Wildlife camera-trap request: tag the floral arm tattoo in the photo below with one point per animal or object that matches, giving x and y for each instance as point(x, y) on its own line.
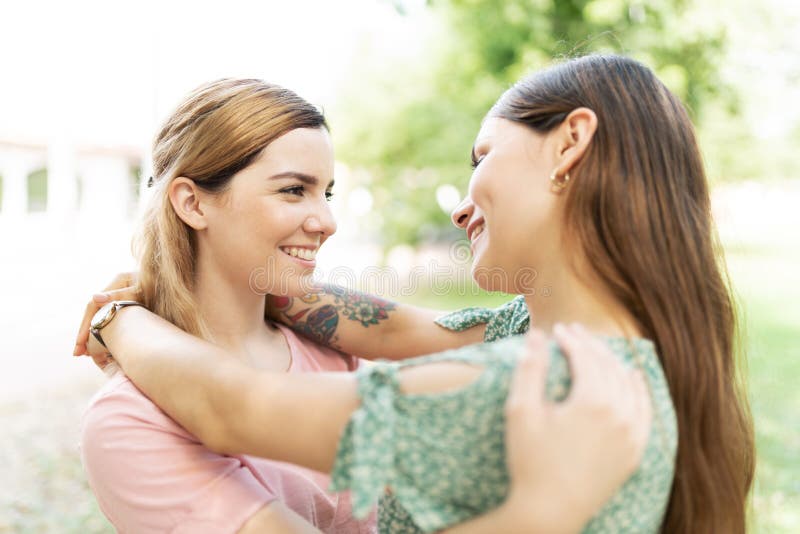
point(316, 316)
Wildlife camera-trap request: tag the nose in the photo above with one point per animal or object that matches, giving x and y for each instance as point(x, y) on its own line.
point(463, 213)
point(321, 221)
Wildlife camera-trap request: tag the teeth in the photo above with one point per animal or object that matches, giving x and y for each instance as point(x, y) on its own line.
point(303, 253)
point(477, 231)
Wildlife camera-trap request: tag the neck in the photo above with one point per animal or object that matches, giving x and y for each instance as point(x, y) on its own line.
point(233, 312)
point(561, 296)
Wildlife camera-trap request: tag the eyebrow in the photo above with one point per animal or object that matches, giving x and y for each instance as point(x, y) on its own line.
point(307, 179)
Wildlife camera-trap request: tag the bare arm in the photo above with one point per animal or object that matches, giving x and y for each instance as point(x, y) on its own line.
point(230, 408)
point(516, 516)
point(277, 518)
point(368, 326)
point(353, 322)
point(234, 410)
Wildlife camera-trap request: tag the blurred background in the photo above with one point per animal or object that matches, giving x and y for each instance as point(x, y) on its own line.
point(405, 84)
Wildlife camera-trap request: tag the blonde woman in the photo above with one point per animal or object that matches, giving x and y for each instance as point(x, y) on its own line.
point(614, 215)
point(242, 174)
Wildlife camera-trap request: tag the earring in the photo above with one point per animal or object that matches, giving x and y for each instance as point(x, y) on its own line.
point(559, 184)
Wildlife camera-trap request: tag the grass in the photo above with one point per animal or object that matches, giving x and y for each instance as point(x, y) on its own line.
point(767, 287)
point(45, 489)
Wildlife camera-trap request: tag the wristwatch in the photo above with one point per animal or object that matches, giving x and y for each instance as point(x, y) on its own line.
point(105, 314)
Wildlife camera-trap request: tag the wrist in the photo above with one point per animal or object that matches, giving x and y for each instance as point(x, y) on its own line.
point(542, 512)
point(113, 332)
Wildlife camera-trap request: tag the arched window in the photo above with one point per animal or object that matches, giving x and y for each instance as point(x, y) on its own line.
point(37, 191)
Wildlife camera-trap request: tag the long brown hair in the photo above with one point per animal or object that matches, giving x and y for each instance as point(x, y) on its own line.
point(638, 208)
point(218, 130)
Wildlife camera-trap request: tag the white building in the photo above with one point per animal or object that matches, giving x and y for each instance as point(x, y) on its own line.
point(60, 181)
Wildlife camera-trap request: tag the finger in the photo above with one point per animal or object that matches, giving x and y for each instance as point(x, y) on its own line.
point(604, 373)
point(527, 384)
point(120, 281)
point(534, 372)
point(97, 302)
point(583, 370)
point(123, 293)
point(83, 329)
point(522, 383)
point(598, 348)
point(97, 352)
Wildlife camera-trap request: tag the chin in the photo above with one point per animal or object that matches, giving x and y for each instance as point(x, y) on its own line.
point(289, 283)
point(300, 286)
point(503, 276)
point(490, 277)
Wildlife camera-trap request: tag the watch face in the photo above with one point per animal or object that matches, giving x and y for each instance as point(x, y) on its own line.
point(101, 315)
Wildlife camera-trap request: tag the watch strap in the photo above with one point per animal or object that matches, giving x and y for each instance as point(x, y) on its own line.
point(112, 312)
point(96, 333)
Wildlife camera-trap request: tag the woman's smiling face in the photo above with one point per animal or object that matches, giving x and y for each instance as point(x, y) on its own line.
point(266, 229)
point(510, 215)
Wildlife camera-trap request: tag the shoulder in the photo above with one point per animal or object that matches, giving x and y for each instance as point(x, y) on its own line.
point(117, 396)
point(151, 475)
point(119, 399)
point(120, 421)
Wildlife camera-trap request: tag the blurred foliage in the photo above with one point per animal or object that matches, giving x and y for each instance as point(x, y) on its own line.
point(416, 132)
point(406, 125)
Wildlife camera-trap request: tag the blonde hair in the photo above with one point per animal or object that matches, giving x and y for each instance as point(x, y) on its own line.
point(217, 131)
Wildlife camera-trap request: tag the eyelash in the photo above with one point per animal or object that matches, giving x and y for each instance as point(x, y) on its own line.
point(298, 190)
point(476, 162)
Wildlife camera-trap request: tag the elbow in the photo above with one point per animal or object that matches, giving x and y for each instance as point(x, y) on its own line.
point(218, 442)
point(219, 425)
point(217, 434)
point(230, 416)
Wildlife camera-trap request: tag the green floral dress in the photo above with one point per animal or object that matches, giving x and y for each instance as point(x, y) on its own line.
point(443, 455)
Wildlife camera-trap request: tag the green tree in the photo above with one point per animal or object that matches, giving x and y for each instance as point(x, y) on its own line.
point(414, 130)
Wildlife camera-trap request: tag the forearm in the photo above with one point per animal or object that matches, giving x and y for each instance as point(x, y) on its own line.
point(523, 515)
point(228, 406)
point(501, 519)
point(369, 326)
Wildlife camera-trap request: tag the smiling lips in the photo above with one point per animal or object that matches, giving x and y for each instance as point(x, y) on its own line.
point(303, 253)
point(475, 229)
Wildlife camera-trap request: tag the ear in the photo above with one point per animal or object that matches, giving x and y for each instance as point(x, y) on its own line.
point(184, 196)
point(575, 135)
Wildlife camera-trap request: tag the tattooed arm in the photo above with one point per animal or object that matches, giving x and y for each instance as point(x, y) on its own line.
point(368, 326)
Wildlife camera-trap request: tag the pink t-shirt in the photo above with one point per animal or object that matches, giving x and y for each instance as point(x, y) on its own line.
point(151, 475)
